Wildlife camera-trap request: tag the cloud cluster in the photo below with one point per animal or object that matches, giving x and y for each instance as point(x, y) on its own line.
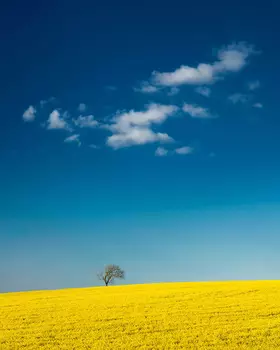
point(135, 128)
point(229, 60)
point(131, 128)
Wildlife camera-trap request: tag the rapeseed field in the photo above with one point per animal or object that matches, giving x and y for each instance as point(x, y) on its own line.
point(210, 315)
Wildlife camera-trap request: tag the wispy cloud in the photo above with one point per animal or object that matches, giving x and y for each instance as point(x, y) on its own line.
point(229, 60)
point(82, 107)
point(203, 90)
point(146, 88)
point(73, 138)
point(161, 152)
point(173, 91)
point(196, 111)
point(86, 122)
point(134, 128)
point(258, 105)
point(30, 114)
point(253, 85)
point(43, 103)
point(238, 98)
point(184, 150)
point(55, 121)
point(94, 146)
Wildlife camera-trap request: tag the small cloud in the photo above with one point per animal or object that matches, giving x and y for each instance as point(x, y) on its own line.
point(173, 91)
point(203, 90)
point(56, 122)
point(137, 136)
point(184, 150)
point(135, 128)
point(253, 85)
point(94, 146)
point(238, 98)
point(73, 138)
point(258, 105)
point(146, 88)
point(45, 102)
point(161, 152)
point(30, 114)
point(86, 122)
point(196, 111)
point(82, 107)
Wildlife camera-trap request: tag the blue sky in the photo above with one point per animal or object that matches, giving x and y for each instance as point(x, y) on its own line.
point(145, 135)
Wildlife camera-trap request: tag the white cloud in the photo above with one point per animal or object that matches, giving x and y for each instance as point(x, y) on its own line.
point(30, 114)
point(161, 152)
point(230, 59)
point(86, 122)
point(56, 122)
point(184, 150)
point(147, 88)
point(233, 57)
point(196, 111)
point(253, 85)
point(258, 105)
point(154, 113)
point(73, 138)
point(203, 74)
point(173, 91)
point(134, 128)
point(82, 107)
point(203, 90)
point(136, 136)
point(238, 98)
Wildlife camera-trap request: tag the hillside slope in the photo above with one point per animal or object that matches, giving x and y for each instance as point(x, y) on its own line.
point(215, 315)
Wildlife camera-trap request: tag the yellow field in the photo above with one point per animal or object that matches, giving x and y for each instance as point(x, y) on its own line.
point(222, 315)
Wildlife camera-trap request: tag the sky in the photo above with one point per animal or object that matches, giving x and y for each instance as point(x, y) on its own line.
point(144, 135)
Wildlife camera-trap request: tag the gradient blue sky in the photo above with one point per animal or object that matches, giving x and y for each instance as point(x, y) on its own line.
point(83, 188)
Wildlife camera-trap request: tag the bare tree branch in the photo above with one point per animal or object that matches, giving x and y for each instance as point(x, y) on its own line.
point(110, 273)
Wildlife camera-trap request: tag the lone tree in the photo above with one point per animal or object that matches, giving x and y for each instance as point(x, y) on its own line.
point(110, 273)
